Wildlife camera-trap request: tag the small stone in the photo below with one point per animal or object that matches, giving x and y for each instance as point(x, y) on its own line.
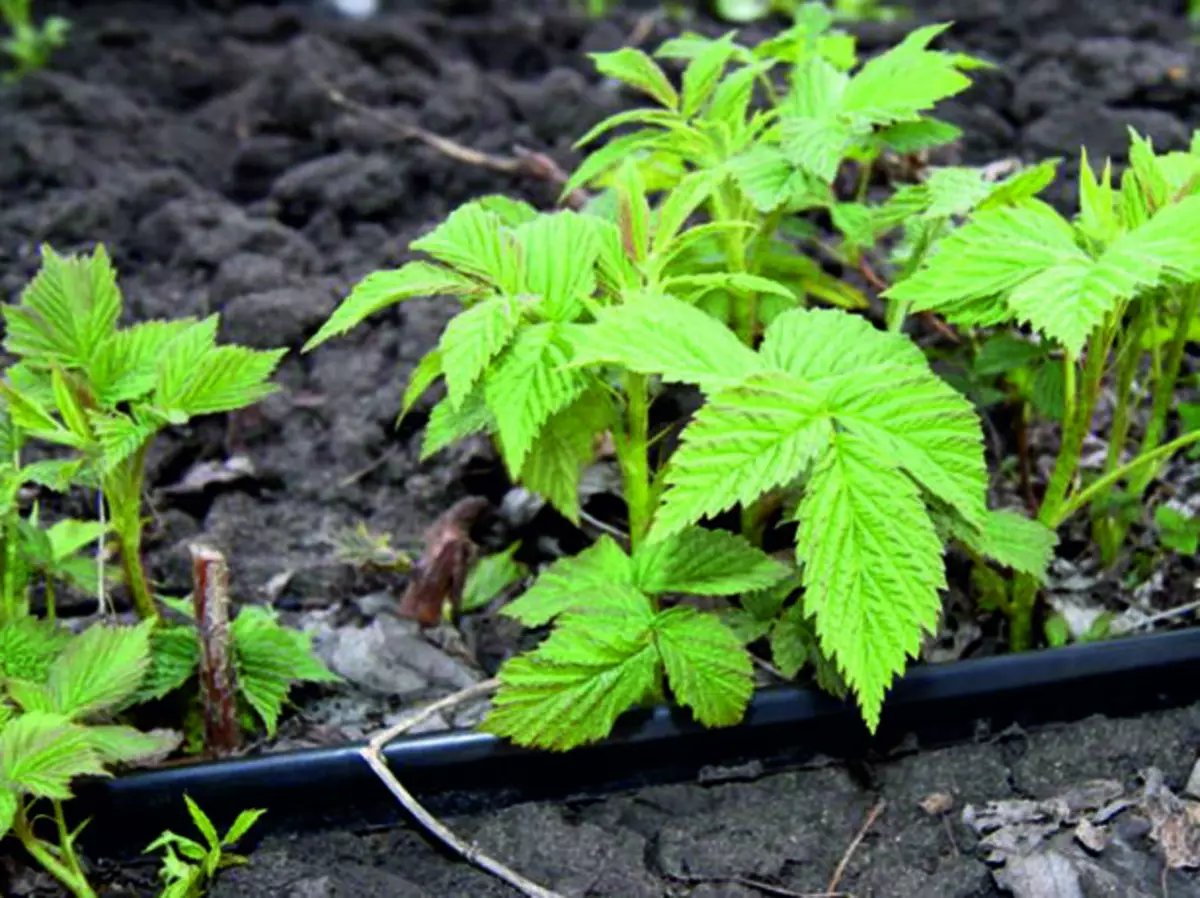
point(1193, 782)
point(937, 804)
point(1092, 837)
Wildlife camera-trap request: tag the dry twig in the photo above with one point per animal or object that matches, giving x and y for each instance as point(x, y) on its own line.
point(840, 871)
point(523, 162)
point(764, 887)
point(372, 753)
point(218, 681)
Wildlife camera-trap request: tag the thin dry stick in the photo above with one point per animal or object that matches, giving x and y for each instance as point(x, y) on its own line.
point(372, 753)
point(218, 681)
point(872, 816)
point(523, 162)
point(748, 882)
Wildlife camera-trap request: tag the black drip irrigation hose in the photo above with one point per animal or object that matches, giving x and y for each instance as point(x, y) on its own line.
point(465, 771)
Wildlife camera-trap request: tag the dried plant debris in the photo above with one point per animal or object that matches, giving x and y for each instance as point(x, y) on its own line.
point(1090, 840)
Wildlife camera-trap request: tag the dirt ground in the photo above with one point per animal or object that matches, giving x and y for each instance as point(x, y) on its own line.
point(202, 146)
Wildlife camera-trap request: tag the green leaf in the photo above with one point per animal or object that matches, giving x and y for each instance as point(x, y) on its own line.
point(573, 582)
point(816, 145)
point(8, 810)
point(245, 820)
point(41, 752)
point(734, 281)
point(120, 436)
point(564, 448)
point(768, 179)
point(472, 340)
point(448, 425)
point(474, 241)
point(954, 191)
point(610, 156)
point(914, 136)
point(530, 383)
point(125, 745)
point(668, 337)
point(28, 646)
point(228, 378)
point(595, 666)
point(872, 567)
point(683, 200)
point(707, 667)
point(1024, 185)
point(202, 823)
point(1004, 353)
point(490, 577)
point(743, 442)
point(1013, 540)
point(733, 95)
point(69, 307)
point(660, 117)
point(382, 289)
point(69, 536)
point(560, 262)
point(905, 81)
point(704, 562)
point(270, 658)
point(639, 71)
point(702, 74)
point(99, 669)
point(427, 371)
point(794, 643)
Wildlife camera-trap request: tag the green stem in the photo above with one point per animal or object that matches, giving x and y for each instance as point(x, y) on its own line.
point(51, 612)
point(1164, 385)
point(745, 313)
point(633, 455)
point(1084, 496)
point(897, 312)
point(123, 493)
point(67, 873)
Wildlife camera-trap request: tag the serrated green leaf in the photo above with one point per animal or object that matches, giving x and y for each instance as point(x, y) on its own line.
point(202, 823)
point(473, 240)
point(41, 752)
point(905, 81)
point(708, 669)
point(1013, 540)
point(794, 642)
point(743, 442)
point(732, 96)
point(1004, 353)
point(226, 378)
point(633, 67)
point(99, 669)
point(124, 366)
point(68, 406)
point(573, 582)
point(383, 289)
point(704, 562)
point(174, 659)
point(570, 691)
point(1024, 185)
point(28, 646)
point(69, 536)
point(564, 447)
point(683, 200)
point(666, 336)
point(270, 659)
point(735, 281)
point(511, 213)
point(245, 820)
point(661, 117)
point(125, 745)
point(560, 259)
point(119, 436)
point(490, 577)
point(448, 425)
point(69, 307)
point(609, 156)
point(768, 179)
point(428, 370)
point(702, 74)
point(33, 418)
point(872, 567)
point(530, 383)
point(472, 340)
point(914, 136)
point(954, 191)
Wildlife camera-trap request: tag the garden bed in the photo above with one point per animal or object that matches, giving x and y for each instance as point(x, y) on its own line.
point(209, 151)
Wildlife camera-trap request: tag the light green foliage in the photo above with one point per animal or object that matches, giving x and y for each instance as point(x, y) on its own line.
point(844, 10)
point(103, 392)
point(1177, 531)
point(188, 865)
point(611, 648)
point(28, 44)
point(269, 660)
point(53, 728)
point(492, 577)
point(27, 648)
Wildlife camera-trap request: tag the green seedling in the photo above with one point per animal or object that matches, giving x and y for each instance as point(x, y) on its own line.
point(1093, 288)
point(1178, 532)
point(570, 326)
point(269, 660)
point(29, 45)
point(188, 865)
point(104, 392)
point(57, 696)
point(491, 578)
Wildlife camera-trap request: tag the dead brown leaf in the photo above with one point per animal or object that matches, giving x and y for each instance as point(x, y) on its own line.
point(441, 572)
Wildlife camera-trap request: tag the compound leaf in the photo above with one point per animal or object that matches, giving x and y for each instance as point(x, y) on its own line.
point(573, 582)
point(633, 67)
point(99, 669)
point(708, 669)
point(471, 341)
point(41, 752)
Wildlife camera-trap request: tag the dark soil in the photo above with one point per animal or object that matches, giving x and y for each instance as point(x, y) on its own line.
point(201, 146)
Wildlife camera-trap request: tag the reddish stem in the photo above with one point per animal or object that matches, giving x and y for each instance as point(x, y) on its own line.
point(218, 680)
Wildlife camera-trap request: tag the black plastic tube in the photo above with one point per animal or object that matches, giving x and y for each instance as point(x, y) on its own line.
point(466, 771)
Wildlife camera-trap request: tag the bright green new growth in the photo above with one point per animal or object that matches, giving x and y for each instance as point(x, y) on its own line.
point(1116, 288)
point(188, 865)
point(54, 708)
point(572, 323)
point(103, 392)
point(269, 660)
point(30, 46)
